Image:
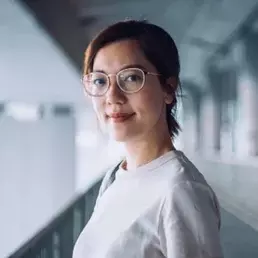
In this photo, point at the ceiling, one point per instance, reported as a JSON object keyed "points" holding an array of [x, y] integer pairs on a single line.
{"points": [[33, 68], [199, 27]]}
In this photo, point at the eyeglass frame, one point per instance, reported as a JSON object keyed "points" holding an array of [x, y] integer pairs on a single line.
{"points": [[144, 72]]}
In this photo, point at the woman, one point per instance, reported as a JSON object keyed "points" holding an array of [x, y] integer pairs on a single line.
{"points": [[155, 203]]}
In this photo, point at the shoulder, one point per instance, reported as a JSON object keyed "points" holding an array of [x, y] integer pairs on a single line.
{"points": [[189, 218], [183, 175], [189, 222], [190, 197], [188, 193]]}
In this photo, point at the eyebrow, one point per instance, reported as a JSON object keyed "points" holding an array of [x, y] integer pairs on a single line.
{"points": [[124, 67]]}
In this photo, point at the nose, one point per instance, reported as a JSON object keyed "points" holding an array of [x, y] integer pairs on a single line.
{"points": [[114, 94]]}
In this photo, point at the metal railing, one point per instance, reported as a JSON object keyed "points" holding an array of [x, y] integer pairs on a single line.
{"points": [[57, 239]]}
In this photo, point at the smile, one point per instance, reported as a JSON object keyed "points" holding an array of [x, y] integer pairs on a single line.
{"points": [[119, 117]]}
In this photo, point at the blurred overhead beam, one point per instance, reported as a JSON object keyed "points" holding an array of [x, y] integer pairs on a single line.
{"points": [[213, 26], [215, 23], [202, 44], [60, 21], [244, 28], [128, 9]]}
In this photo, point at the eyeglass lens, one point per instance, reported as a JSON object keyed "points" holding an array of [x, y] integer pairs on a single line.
{"points": [[129, 80]]}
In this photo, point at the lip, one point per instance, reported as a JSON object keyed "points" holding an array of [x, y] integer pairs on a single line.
{"points": [[120, 117]]}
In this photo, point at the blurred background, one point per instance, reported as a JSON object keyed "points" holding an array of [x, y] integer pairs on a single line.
{"points": [[52, 154]]}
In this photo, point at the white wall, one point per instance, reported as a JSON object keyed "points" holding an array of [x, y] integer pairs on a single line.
{"points": [[37, 175], [32, 68], [37, 159]]}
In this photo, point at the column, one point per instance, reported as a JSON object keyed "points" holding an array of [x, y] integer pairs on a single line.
{"points": [[210, 113], [190, 128], [245, 54]]}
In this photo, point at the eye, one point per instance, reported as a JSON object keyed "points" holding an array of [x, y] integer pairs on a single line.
{"points": [[99, 82], [132, 78]]}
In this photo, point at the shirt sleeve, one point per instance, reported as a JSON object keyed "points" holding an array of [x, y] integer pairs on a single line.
{"points": [[190, 222]]}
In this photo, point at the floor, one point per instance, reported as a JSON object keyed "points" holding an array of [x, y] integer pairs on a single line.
{"points": [[239, 240]]}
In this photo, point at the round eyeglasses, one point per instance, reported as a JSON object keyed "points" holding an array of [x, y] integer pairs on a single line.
{"points": [[129, 80]]}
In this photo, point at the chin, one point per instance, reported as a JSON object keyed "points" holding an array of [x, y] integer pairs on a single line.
{"points": [[122, 132], [120, 136]]}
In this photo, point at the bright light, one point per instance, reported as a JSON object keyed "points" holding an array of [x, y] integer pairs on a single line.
{"points": [[87, 139], [22, 111]]}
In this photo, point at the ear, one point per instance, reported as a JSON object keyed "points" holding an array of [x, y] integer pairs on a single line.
{"points": [[170, 89]]}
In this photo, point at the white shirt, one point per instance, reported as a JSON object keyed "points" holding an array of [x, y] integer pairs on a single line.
{"points": [[162, 209]]}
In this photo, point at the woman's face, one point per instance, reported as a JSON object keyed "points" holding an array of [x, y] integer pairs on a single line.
{"points": [[129, 116]]}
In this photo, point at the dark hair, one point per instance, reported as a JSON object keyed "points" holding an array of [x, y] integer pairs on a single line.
{"points": [[158, 47]]}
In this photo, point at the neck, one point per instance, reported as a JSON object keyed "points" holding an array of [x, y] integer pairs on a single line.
{"points": [[147, 148]]}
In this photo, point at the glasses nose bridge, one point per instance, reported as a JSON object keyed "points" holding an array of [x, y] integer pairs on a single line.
{"points": [[114, 93], [109, 76]]}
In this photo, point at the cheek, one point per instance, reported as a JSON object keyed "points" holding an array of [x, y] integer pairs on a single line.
{"points": [[153, 95], [151, 101], [98, 108]]}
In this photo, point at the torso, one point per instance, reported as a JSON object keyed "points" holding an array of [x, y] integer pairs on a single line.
{"points": [[125, 222]]}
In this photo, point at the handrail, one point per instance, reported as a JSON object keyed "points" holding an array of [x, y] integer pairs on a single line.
{"points": [[56, 240]]}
